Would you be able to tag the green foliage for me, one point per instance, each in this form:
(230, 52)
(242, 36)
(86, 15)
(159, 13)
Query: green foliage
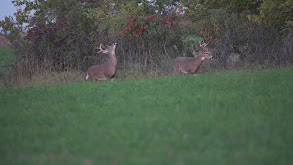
(193, 42)
(53, 32)
(230, 118)
(277, 13)
(7, 57)
(201, 8)
(229, 26)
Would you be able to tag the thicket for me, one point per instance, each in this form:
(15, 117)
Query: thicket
(64, 35)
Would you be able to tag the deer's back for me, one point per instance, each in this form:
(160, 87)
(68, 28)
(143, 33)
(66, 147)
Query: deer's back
(185, 60)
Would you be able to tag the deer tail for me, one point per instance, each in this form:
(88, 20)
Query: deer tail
(87, 76)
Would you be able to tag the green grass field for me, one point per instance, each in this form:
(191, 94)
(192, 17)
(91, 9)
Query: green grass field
(228, 118)
(6, 58)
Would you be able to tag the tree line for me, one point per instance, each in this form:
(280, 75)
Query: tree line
(64, 35)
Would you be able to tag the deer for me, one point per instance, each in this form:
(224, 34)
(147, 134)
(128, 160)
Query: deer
(190, 65)
(106, 71)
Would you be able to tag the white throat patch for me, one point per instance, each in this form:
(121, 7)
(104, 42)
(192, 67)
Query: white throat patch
(202, 58)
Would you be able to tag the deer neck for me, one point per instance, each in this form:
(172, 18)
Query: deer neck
(112, 58)
(201, 57)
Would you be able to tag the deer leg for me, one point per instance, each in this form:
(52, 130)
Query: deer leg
(194, 74)
(90, 78)
(184, 72)
(176, 70)
(112, 79)
(98, 80)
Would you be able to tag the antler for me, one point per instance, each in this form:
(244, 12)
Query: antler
(101, 50)
(203, 45)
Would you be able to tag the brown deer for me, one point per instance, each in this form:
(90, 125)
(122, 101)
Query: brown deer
(106, 71)
(191, 65)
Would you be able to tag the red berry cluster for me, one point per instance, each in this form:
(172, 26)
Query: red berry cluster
(61, 23)
(41, 31)
(35, 34)
(208, 33)
(136, 26)
(170, 20)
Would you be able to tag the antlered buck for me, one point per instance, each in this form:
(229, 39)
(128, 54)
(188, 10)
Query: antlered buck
(106, 71)
(191, 65)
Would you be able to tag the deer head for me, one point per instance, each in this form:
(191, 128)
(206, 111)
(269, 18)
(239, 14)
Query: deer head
(206, 54)
(109, 49)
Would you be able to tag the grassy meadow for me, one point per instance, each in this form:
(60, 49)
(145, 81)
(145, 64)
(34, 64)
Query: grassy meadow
(6, 58)
(226, 118)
